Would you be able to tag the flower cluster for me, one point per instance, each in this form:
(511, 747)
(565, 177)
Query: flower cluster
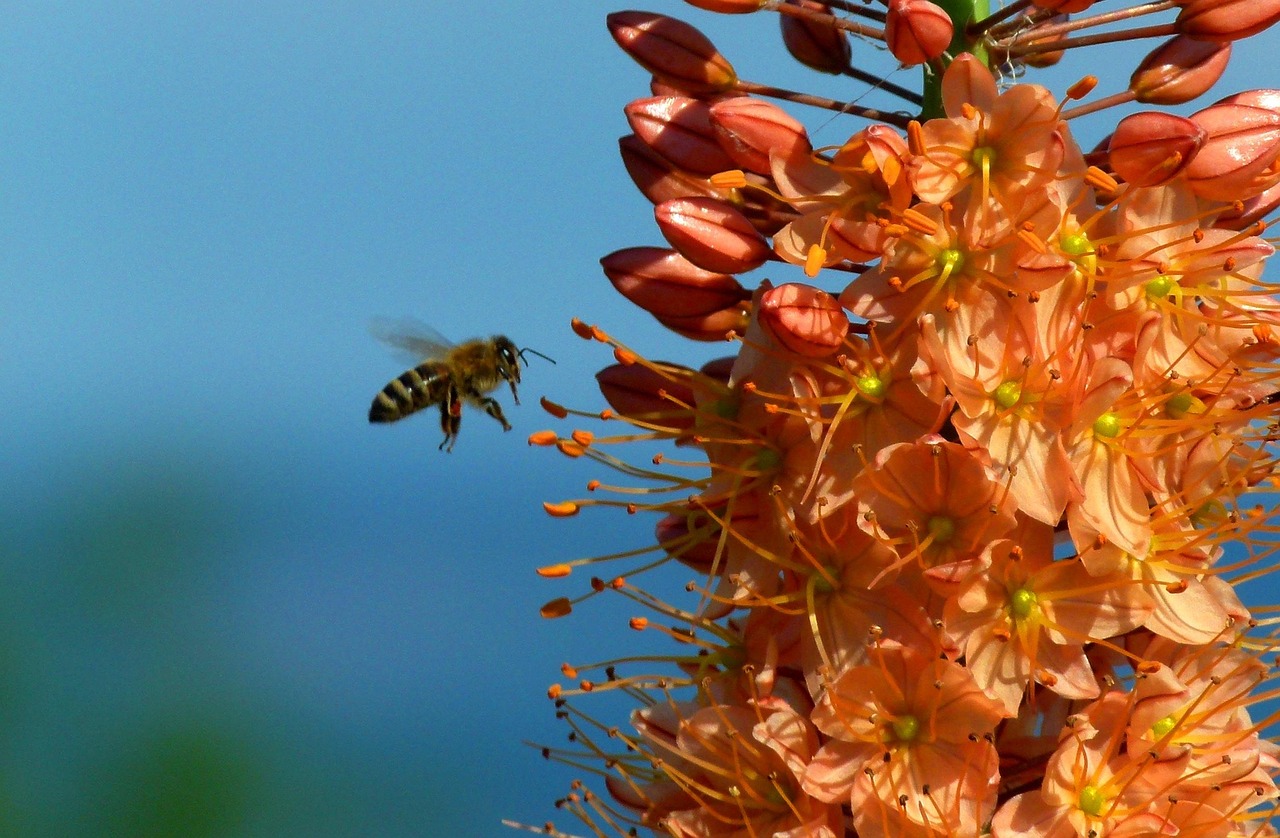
(971, 517)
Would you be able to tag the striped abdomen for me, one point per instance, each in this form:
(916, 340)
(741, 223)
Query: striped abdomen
(411, 391)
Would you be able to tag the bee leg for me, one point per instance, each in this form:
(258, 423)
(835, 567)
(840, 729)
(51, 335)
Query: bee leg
(450, 418)
(494, 409)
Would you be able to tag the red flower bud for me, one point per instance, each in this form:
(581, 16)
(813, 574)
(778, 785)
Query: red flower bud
(1238, 159)
(750, 130)
(712, 234)
(693, 539)
(1066, 6)
(719, 369)
(917, 31)
(728, 7)
(1150, 148)
(1251, 210)
(1225, 20)
(639, 392)
(822, 48)
(665, 284)
(672, 50)
(679, 128)
(710, 327)
(804, 319)
(1179, 70)
(657, 177)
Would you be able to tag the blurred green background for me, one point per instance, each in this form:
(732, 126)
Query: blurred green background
(229, 607)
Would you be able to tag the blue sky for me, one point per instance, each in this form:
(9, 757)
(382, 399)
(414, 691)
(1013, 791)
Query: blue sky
(207, 549)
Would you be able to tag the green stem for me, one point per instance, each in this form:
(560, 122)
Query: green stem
(963, 13)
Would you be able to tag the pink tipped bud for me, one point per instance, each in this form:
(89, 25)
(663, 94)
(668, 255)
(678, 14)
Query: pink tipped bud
(1251, 211)
(1065, 6)
(1238, 159)
(679, 128)
(1179, 70)
(657, 177)
(710, 327)
(639, 392)
(665, 284)
(917, 31)
(804, 319)
(691, 539)
(1150, 148)
(1225, 20)
(672, 50)
(750, 130)
(728, 7)
(712, 235)
(822, 48)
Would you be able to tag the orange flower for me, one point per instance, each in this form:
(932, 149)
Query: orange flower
(912, 732)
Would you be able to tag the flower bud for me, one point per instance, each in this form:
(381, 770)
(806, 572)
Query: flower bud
(1150, 148)
(640, 392)
(672, 50)
(657, 177)
(1043, 58)
(750, 130)
(693, 540)
(822, 48)
(679, 128)
(1225, 20)
(665, 284)
(804, 319)
(917, 31)
(710, 327)
(1250, 211)
(1065, 6)
(712, 234)
(1237, 161)
(728, 7)
(1179, 70)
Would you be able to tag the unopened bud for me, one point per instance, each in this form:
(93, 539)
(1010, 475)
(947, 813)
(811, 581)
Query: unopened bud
(694, 543)
(804, 319)
(728, 7)
(1225, 20)
(711, 327)
(679, 128)
(641, 392)
(665, 284)
(822, 48)
(750, 130)
(712, 234)
(1237, 161)
(1150, 148)
(657, 177)
(672, 50)
(1179, 70)
(1251, 211)
(917, 31)
(1065, 6)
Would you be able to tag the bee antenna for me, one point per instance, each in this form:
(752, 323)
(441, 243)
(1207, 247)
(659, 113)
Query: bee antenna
(535, 352)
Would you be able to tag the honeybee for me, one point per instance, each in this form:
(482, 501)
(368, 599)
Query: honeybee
(448, 375)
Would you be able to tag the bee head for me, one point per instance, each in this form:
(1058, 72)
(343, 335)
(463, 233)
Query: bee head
(508, 355)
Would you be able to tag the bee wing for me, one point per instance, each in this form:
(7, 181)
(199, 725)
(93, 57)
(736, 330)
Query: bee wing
(411, 339)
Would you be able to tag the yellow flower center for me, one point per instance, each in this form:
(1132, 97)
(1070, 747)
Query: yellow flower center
(906, 728)
(1162, 727)
(1075, 245)
(1160, 287)
(949, 262)
(1008, 394)
(1023, 603)
(869, 384)
(1180, 405)
(942, 528)
(1091, 801)
(1107, 425)
(983, 157)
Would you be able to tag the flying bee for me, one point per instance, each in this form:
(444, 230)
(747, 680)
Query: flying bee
(447, 375)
